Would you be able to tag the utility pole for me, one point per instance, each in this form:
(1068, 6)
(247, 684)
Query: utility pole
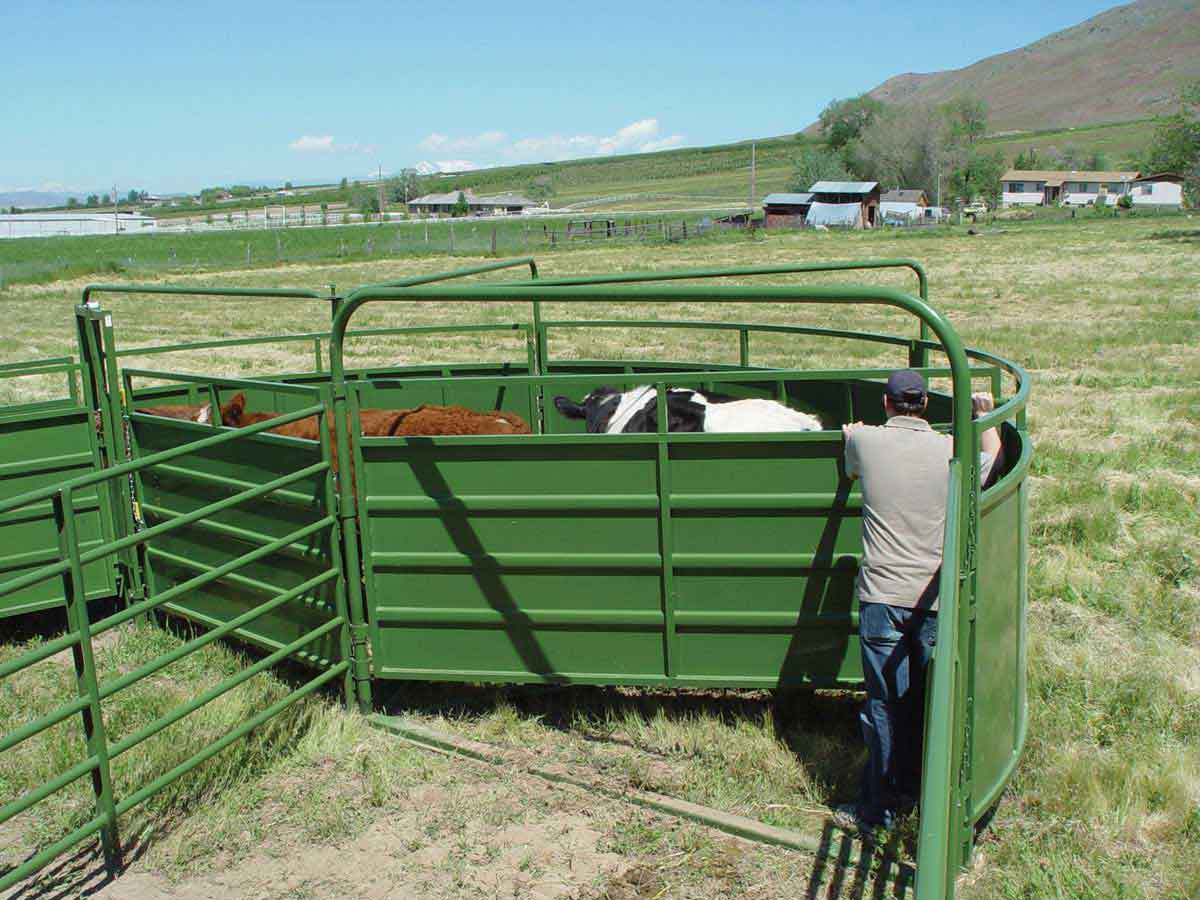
(379, 185)
(116, 211)
(753, 173)
(939, 189)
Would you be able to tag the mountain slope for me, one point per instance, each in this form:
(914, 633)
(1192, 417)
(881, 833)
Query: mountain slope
(1123, 64)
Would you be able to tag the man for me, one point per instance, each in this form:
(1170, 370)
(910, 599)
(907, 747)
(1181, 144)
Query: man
(904, 469)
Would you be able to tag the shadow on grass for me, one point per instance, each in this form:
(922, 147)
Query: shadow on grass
(1178, 235)
(82, 873)
(855, 868)
(820, 728)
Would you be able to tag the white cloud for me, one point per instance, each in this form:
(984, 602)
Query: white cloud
(313, 144)
(440, 143)
(642, 136)
(324, 143)
(667, 143)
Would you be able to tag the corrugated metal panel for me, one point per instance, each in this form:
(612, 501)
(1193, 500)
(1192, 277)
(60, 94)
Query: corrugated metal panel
(844, 187)
(892, 208)
(787, 199)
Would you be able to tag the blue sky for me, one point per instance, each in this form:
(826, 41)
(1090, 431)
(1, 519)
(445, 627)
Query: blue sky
(172, 96)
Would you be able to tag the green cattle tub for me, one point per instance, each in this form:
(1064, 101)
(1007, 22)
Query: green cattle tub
(688, 559)
(662, 559)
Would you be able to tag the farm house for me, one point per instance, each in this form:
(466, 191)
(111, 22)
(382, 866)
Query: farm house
(497, 205)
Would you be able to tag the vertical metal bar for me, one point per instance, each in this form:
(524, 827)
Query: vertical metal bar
(349, 518)
(744, 347)
(536, 409)
(73, 384)
(922, 356)
(317, 352)
(666, 537)
(98, 373)
(345, 641)
(214, 406)
(75, 593)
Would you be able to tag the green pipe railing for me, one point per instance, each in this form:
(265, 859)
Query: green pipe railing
(919, 354)
(944, 848)
(92, 694)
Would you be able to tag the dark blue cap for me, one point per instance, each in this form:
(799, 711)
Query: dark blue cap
(905, 385)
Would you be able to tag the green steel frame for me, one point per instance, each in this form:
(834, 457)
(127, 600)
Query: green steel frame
(951, 809)
(81, 632)
(952, 800)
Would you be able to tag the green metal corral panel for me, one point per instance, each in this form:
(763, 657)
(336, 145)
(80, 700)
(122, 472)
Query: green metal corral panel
(45, 446)
(1000, 700)
(195, 480)
(767, 538)
(513, 560)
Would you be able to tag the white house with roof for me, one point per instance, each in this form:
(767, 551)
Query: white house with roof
(1046, 187)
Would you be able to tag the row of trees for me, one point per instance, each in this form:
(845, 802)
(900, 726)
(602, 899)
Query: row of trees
(910, 147)
(915, 147)
(97, 200)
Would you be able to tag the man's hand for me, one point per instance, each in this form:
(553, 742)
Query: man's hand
(847, 429)
(981, 404)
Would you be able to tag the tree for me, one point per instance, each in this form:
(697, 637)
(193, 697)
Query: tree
(403, 186)
(93, 200)
(1175, 146)
(365, 200)
(966, 119)
(844, 120)
(973, 172)
(461, 207)
(541, 188)
(105, 200)
(816, 163)
(287, 185)
(342, 186)
(72, 203)
(1026, 161)
(901, 148)
(133, 197)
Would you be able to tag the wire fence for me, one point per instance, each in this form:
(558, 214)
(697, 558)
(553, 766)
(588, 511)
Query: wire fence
(196, 252)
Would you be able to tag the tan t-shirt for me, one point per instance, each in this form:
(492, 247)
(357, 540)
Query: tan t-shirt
(904, 469)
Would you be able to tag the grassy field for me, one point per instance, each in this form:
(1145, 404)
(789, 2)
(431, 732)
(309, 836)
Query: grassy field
(1106, 802)
(49, 259)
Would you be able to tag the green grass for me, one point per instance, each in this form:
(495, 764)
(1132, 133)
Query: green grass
(1106, 800)
(132, 256)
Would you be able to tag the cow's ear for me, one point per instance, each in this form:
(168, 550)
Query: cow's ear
(569, 408)
(204, 417)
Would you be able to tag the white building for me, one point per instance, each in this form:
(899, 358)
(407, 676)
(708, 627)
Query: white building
(63, 223)
(1044, 187)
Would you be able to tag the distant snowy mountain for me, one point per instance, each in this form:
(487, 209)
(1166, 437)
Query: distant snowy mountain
(426, 167)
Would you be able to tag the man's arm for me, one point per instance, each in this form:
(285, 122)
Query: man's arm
(851, 455)
(989, 441)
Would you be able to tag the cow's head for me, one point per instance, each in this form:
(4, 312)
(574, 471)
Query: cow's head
(233, 412)
(596, 409)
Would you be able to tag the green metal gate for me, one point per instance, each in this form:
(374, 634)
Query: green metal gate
(43, 443)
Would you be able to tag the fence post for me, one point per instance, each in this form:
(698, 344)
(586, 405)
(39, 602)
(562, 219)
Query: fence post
(451, 235)
(75, 596)
(493, 240)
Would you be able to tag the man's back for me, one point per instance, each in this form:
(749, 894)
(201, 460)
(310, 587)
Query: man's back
(903, 467)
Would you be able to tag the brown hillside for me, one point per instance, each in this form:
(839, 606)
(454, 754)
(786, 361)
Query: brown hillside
(1125, 63)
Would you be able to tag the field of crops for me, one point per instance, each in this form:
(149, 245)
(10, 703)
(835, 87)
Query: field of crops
(1106, 802)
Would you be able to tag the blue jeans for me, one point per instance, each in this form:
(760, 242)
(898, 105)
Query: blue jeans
(897, 644)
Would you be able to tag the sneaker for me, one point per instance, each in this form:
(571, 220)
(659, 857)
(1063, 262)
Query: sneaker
(849, 817)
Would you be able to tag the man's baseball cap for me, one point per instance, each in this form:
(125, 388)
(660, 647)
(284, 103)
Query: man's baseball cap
(906, 386)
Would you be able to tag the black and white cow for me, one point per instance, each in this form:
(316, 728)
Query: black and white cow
(609, 411)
